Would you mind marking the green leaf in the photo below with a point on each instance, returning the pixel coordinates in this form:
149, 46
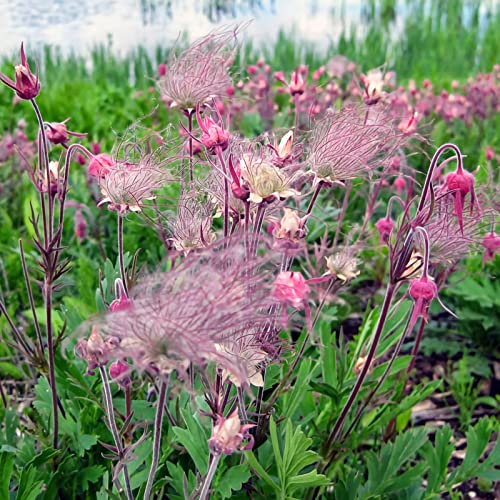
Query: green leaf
438, 457
255, 465
233, 479
6, 469
195, 440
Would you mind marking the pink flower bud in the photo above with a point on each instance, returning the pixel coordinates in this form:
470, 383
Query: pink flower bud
96, 148
162, 69
490, 154
228, 435
230, 91
26, 85
385, 227
119, 371
297, 84
400, 185
100, 165
491, 244
252, 70
81, 159
80, 226
291, 288
422, 290
57, 133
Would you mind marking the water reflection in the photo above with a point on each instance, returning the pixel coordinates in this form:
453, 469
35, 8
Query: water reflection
77, 25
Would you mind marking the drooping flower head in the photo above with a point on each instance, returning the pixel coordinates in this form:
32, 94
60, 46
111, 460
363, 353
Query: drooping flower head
491, 245
213, 298
58, 133
228, 435
350, 142
199, 73
461, 183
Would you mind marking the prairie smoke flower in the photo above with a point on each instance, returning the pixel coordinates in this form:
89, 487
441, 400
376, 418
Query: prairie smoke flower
423, 291
343, 265
121, 302
350, 142
213, 134
297, 85
373, 83
290, 288
265, 181
119, 373
183, 316
251, 353
139, 169
199, 73
58, 133
449, 241
191, 227
127, 186
286, 151
80, 226
100, 165
27, 85
96, 351
460, 183
289, 231
385, 227
228, 435
491, 244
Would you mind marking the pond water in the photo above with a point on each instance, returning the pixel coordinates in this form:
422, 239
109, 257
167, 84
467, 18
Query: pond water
78, 25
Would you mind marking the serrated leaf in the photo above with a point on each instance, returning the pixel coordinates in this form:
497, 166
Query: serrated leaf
233, 479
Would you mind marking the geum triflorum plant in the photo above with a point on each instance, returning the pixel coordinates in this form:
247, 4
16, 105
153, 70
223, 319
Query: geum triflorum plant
227, 325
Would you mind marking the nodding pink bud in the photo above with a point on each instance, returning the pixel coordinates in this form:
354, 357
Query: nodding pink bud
491, 244
280, 76
260, 62
214, 135
385, 227
81, 159
291, 288
101, 165
422, 290
297, 84
427, 83
57, 133
96, 148
122, 302
228, 435
395, 163
252, 70
80, 226
162, 69
454, 84
400, 185
230, 91
27, 85
460, 183
119, 371
490, 154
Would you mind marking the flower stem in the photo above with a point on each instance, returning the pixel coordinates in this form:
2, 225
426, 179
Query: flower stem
120, 253
391, 288
156, 439
210, 475
108, 401
343, 212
